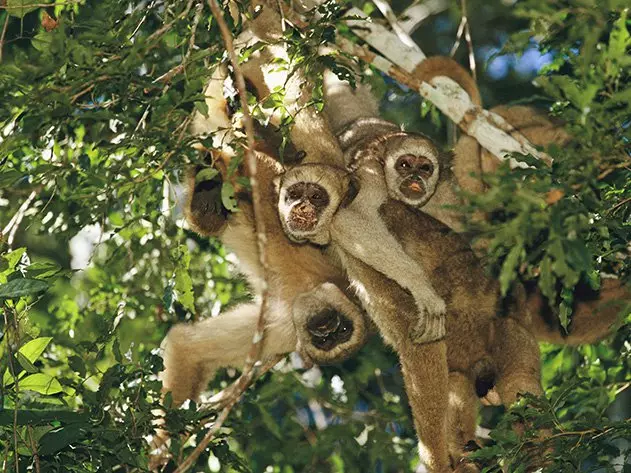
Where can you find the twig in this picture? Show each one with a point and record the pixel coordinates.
(619, 204)
(38, 5)
(464, 28)
(34, 449)
(170, 24)
(17, 386)
(15, 221)
(221, 399)
(251, 362)
(166, 77)
(87, 89)
(3, 34)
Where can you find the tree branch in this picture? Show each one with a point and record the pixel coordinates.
(251, 362)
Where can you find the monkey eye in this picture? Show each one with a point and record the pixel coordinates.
(295, 192)
(427, 168)
(405, 162)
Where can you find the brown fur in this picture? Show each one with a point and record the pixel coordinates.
(446, 423)
(473, 324)
(294, 269)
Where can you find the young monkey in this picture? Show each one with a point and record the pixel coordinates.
(431, 370)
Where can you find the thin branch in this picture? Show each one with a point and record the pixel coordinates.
(15, 221)
(17, 384)
(38, 5)
(251, 362)
(464, 29)
(170, 24)
(166, 77)
(3, 34)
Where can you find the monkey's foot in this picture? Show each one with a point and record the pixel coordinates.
(492, 398)
(428, 329)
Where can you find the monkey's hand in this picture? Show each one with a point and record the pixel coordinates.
(330, 328)
(430, 322)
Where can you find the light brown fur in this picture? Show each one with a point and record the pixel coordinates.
(473, 305)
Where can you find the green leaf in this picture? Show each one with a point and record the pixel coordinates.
(116, 219)
(619, 39)
(22, 287)
(25, 363)
(14, 257)
(19, 8)
(227, 197)
(58, 439)
(41, 383)
(202, 107)
(28, 353)
(206, 174)
(509, 268)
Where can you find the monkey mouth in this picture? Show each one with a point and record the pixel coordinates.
(413, 188)
(303, 218)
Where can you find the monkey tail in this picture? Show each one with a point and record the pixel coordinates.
(595, 315)
(444, 66)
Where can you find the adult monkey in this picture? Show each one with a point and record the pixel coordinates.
(595, 312)
(192, 352)
(480, 347)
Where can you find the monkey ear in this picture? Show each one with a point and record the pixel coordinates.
(353, 190)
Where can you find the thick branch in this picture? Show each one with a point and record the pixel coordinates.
(491, 130)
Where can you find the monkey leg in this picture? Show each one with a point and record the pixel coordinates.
(193, 352)
(424, 368)
(596, 314)
(329, 327)
(516, 353)
(461, 420)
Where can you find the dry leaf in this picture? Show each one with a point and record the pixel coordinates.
(554, 196)
(48, 22)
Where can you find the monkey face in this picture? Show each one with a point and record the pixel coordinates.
(414, 172)
(308, 196)
(306, 200)
(329, 326)
(411, 169)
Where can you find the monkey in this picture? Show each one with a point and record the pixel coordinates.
(353, 115)
(193, 352)
(473, 304)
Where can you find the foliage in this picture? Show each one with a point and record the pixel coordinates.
(96, 99)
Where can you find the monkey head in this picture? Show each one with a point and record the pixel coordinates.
(330, 327)
(412, 167)
(308, 197)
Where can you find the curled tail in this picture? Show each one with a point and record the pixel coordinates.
(446, 67)
(467, 158)
(594, 317)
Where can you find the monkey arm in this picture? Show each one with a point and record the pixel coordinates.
(193, 352)
(360, 232)
(424, 365)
